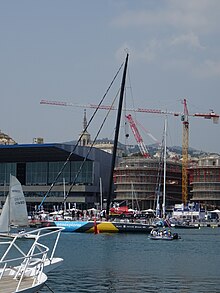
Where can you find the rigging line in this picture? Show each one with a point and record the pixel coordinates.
(131, 90)
(81, 166)
(159, 175)
(49, 288)
(74, 148)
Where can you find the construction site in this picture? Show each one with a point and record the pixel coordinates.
(205, 181)
(141, 178)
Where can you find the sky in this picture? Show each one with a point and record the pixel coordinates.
(70, 51)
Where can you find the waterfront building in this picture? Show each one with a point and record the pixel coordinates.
(205, 181)
(136, 180)
(36, 166)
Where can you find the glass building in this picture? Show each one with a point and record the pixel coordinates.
(40, 166)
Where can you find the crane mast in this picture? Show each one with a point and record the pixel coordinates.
(185, 147)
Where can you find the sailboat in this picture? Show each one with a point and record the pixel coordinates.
(163, 234)
(107, 226)
(162, 162)
(14, 212)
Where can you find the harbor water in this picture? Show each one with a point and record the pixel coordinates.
(133, 263)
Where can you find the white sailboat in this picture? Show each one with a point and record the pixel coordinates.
(159, 212)
(163, 234)
(14, 212)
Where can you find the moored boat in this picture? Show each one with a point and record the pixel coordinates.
(164, 235)
(102, 226)
(186, 225)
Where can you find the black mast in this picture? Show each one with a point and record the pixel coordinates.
(116, 135)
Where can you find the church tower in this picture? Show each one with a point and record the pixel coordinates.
(85, 139)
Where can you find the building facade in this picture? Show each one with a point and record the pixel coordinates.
(137, 180)
(39, 166)
(205, 181)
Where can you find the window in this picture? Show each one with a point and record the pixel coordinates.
(55, 168)
(36, 173)
(5, 170)
(82, 174)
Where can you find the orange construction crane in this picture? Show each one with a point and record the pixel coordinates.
(185, 138)
(185, 147)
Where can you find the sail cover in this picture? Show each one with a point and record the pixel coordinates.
(14, 211)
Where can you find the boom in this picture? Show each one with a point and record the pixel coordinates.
(137, 136)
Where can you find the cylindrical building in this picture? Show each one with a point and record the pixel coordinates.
(137, 180)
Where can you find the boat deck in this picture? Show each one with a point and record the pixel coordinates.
(8, 284)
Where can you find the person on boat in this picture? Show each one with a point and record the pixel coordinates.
(164, 232)
(154, 233)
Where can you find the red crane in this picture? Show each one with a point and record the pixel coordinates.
(137, 136)
(106, 107)
(211, 115)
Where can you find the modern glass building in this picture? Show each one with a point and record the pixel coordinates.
(40, 166)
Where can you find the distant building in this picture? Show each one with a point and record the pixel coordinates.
(38, 140)
(136, 181)
(85, 138)
(205, 181)
(6, 139)
(105, 145)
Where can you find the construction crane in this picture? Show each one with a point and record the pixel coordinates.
(185, 137)
(185, 147)
(106, 107)
(137, 136)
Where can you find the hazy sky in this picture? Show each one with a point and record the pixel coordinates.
(71, 50)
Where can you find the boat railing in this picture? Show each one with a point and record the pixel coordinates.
(25, 268)
(30, 263)
(43, 233)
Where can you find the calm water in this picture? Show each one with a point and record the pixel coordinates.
(133, 263)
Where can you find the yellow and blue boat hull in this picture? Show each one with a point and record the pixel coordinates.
(102, 227)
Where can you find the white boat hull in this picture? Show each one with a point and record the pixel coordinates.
(9, 284)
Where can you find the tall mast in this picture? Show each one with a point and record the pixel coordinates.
(116, 135)
(164, 168)
(185, 149)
